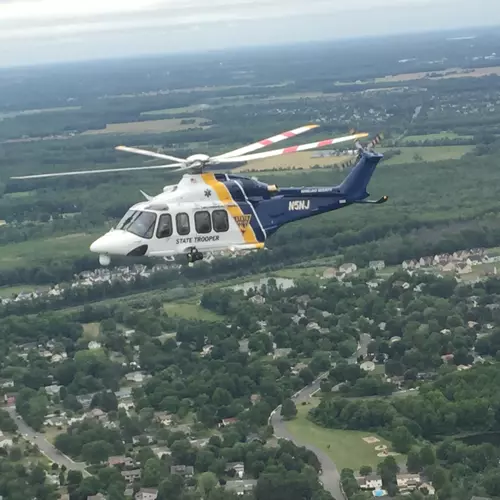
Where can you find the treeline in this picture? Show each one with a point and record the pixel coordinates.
(456, 402)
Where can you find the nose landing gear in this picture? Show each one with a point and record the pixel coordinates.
(194, 255)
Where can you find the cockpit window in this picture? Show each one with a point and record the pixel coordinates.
(139, 223)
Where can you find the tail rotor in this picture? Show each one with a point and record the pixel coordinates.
(360, 149)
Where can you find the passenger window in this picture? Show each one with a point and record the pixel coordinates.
(220, 221)
(202, 222)
(165, 228)
(182, 222)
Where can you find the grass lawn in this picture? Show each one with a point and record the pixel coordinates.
(190, 310)
(347, 448)
(146, 127)
(301, 272)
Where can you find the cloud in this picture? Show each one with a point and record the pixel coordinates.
(42, 29)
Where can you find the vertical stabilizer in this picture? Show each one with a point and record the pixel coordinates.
(355, 184)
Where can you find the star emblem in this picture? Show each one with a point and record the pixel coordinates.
(208, 193)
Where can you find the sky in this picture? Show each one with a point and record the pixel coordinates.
(44, 31)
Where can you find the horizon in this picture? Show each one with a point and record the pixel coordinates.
(466, 33)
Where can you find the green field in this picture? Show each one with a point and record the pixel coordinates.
(188, 310)
(432, 153)
(36, 251)
(347, 448)
(434, 137)
(7, 292)
(301, 272)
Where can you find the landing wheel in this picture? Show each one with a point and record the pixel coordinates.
(194, 255)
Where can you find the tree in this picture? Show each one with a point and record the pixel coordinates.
(206, 483)
(152, 473)
(288, 409)
(414, 462)
(365, 470)
(402, 439)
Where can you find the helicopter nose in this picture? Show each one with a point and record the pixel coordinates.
(116, 243)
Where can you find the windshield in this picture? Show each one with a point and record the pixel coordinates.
(139, 223)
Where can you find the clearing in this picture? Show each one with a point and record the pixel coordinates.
(348, 449)
(91, 331)
(447, 73)
(188, 310)
(148, 127)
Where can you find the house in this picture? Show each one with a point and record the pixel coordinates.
(238, 467)
(120, 460)
(131, 475)
(371, 482)
(257, 299)
(241, 486)
(6, 443)
(160, 451)
(228, 421)
(348, 268)
(182, 470)
(376, 265)
(99, 496)
(146, 494)
(94, 345)
(137, 377)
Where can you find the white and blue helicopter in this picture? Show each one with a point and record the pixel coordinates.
(209, 212)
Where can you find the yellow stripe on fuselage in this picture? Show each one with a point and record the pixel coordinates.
(232, 207)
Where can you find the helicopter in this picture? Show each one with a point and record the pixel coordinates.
(209, 212)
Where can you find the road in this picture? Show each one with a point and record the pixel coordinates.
(330, 475)
(47, 448)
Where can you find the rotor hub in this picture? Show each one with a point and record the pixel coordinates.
(198, 158)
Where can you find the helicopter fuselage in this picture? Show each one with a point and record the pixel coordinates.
(214, 211)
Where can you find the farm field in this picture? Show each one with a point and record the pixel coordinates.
(305, 161)
(448, 73)
(36, 251)
(27, 112)
(347, 449)
(146, 127)
(430, 154)
(434, 137)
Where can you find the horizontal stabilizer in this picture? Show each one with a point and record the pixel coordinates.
(375, 202)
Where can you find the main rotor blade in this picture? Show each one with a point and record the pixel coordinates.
(103, 171)
(267, 142)
(291, 149)
(149, 153)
